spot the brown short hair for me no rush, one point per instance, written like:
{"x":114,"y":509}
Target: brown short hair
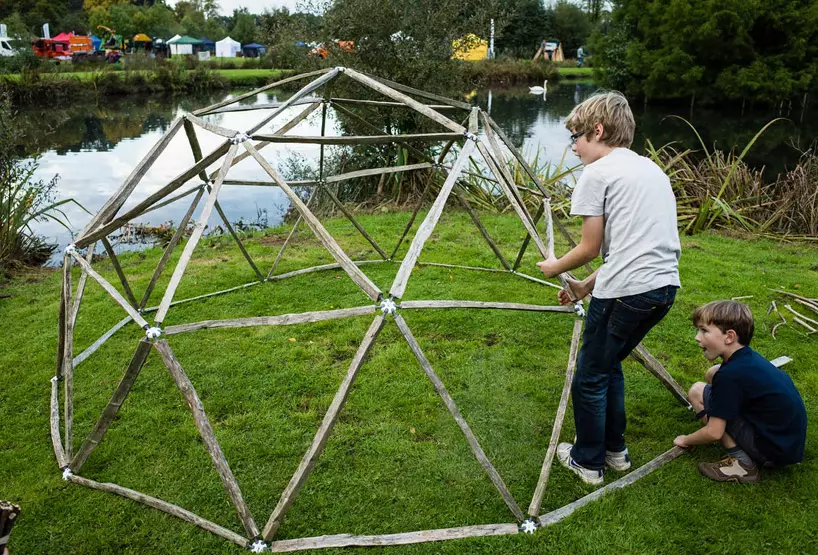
{"x":727,"y":315}
{"x":611,"y":109}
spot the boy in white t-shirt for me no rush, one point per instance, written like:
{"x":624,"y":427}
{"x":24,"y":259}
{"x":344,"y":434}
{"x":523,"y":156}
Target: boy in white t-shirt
{"x":628,"y":217}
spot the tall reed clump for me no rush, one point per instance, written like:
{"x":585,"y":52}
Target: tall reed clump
{"x":22,"y":200}
{"x":718,"y":189}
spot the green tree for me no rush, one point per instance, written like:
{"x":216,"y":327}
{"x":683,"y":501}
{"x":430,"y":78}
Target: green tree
{"x":712,"y":49}
{"x":244,"y":26}
{"x":571,"y":26}
{"x":526,"y":24}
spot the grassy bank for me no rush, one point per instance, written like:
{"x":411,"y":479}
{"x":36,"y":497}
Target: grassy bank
{"x":396,"y":461}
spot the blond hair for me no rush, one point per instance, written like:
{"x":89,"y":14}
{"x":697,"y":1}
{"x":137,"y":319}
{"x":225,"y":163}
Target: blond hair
{"x":611,"y":109}
{"x":727,"y":315}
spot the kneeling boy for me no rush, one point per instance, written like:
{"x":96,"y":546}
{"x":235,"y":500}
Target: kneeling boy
{"x":748,"y":404}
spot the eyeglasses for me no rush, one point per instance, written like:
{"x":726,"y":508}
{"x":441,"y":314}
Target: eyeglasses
{"x":575,"y":136}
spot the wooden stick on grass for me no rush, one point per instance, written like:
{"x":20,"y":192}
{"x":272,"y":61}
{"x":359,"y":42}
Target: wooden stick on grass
{"x":317,"y":445}
{"x":545,"y":472}
{"x":493,"y":475}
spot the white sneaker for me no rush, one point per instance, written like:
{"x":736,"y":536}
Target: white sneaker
{"x":618,"y":461}
{"x":592,"y":477}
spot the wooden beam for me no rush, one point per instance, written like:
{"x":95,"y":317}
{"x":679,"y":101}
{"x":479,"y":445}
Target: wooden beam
{"x":113,"y":406}
{"x":237,"y":239}
{"x":356,"y":139}
{"x":408,"y":101}
{"x":323,"y":235}
{"x":68,"y":360}
{"x":377,"y":171}
{"x":110,"y":208}
{"x":563,"y":512}
{"x":140,"y":208}
{"x":54,"y":419}
{"x":281,"y":320}
{"x":174,"y":240}
{"x":271,"y":105}
{"x":254,"y":92}
{"x":424,"y":94}
{"x":209,"y":438}
{"x":408,"y":305}
{"x":101,"y":341}
{"x":198,"y":231}
{"x":653,"y":366}
{"x":355,"y":223}
{"x":317,"y":445}
{"x":493,"y":475}
{"x":545,"y":471}
{"x":429,"y":223}
{"x":163,"y":506}
{"x":404,"y":538}
{"x":527,"y":238}
{"x":385,"y":103}
{"x":290,"y":235}
{"x":495,"y":249}
{"x":118,"y":269}
{"x":89,"y":256}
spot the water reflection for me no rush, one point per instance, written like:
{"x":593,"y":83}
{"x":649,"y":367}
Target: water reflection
{"x":94,"y":146}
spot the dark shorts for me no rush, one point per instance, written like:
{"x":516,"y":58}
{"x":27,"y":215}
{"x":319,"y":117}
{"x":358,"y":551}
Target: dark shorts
{"x":742,"y":433}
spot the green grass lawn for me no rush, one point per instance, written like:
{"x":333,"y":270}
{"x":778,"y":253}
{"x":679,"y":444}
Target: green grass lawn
{"x":576,"y":72}
{"x":396,"y":461}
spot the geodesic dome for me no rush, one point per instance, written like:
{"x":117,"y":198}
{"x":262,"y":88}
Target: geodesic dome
{"x":481,"y":139}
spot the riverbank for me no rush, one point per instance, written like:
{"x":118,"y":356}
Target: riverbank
{"x":50,"y":86}
{"x":395,"y":462}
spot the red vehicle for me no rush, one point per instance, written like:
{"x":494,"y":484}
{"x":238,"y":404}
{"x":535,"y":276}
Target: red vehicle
{"x":52,"y":49}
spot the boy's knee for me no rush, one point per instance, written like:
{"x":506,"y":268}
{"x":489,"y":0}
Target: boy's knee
{"x":696,"y":393}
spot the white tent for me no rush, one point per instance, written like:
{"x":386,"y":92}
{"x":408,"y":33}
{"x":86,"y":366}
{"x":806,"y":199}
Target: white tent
{"x":227,"y":48}
{"x":181,"y":49}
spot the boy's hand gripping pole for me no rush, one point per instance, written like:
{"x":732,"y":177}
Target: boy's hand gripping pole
{"x":549,"y":237}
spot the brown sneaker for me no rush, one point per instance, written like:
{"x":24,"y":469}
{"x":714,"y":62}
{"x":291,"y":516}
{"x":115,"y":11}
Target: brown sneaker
{"x":730,"y":470}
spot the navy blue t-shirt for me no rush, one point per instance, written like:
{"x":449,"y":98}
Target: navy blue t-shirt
{"x":749,"y":386}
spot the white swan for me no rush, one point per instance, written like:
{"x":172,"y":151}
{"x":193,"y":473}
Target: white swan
{"x":539,"y":90}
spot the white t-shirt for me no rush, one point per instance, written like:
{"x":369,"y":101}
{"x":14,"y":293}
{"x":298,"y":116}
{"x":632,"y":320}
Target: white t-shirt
{"x":641,"y":248}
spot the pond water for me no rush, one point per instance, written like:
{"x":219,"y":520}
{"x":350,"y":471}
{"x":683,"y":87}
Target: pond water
{"x":93,"y":146}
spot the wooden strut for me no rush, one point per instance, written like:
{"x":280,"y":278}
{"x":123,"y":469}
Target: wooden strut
{"x":317,"y":445}
{"x":545,"y":472}
{"x":171,"y":200}
{"x":375,"y":129}
{"x":198,"y":231}
{"x":563,"y":512}
{"x":428,"y":225}
{"x":163,"y":506}
{"x":68,"y":360}
{"x":81,"y":287}
{"x":489,"y":305}
{"x":304,"y":114}
{"x":269,"y":106}
{"x":290,"y":235}
{"x":111,"y":410}
{"x":478,"y":452}
{"x":323,"y":235}
{"x":251,"y":183}
{"x":254,"y":92}
{"x":356,"y":140}
{"x":355,"y":223}
{"x":647,"y":360}
{"x":467,"y":207}
{"x":537,"y":280}
{"x":500,"y":161}
{"x":56,"y":440}
{"x":177,"y":236}
{"x":322,"y":267}
{"x":522,"y":213}
{"x":402,"y":98}
{"x":110,"y":208}
{"x":385,"y":103}
{"x":281,"y":320}
{"x":237,"y":239}
{"x":377,"y":171}
{"x":118,"y":269}
{"x":404,"y":538}
{"x":209,"y":438}
{"x":101,"y":341}
{"x":532,"y":174}
{"x":140,"y":208}
{"x":423,"y":94}
{"x":527,"y":238}
{"x":460,"y":267}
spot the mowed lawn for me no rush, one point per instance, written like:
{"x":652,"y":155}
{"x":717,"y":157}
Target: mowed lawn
{"x":396,"y":460}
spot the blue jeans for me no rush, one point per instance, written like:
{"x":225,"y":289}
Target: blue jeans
{"x":613,"y":328}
